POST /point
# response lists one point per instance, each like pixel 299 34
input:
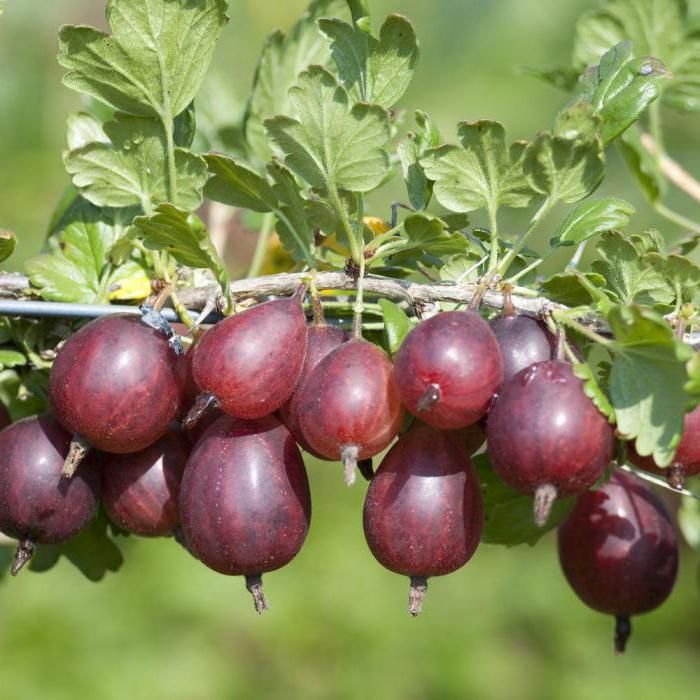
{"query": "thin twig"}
pixel 673 170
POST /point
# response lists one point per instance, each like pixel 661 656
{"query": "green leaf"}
pixel 410 151
pixel 482 173
pixel 572 288
pixel 7 244
pixel 83 129
pixel 133 168
pixel 593 390
pixel 396 325
pixel 59 279
pixel 463 267
pixel 376 71
pixel 628 275
pixel 507 514
pixel 558 76
pixel 647 381
pixel 324 215
pixel 154 61
pixel 431 235
pixel 293 227
pixel 283 57
pixel 620 88
pixel 185 237
pixel 643 165
pixel 682 274
pixel 659 28
pixel 79 269
pixel 238 185
pixel 329 144
pixel 562 169
pixel 591 218
pixel 91 550
pixel 11 358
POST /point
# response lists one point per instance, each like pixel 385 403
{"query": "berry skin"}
pixel 322 340
pixel 424 514
pixel 38 505
pixel 686 460
pixel 546 437
pixel 115 383
pixel 251 361
pixel 618 551
pixel 522 341
pixel 349 406
pixel 244 500
pixel 141 491
pixel 448 369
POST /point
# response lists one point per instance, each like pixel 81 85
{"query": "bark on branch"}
pixel 416 294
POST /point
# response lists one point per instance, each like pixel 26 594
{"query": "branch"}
pixel 675 172
pixel 417 295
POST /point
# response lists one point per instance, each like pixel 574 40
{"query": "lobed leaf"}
pixel 330 144
pixel 631 277
pixel 482 173
pixel 647 381
pixel 153 62
pixel 132 169
pixel 374 70
pixel 282 59
pixel 562 169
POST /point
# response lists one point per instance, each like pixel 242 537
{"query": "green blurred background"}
pixel 505 627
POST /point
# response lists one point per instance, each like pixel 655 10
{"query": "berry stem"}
pixel 416 594
pixel 545 495
pixel 204 403
pixel 254 585
pixel 348 455
pixel 319 318
pixel 623 630
pixel 79 447
pixel 676 477
pixel 357 319
pixel 23 554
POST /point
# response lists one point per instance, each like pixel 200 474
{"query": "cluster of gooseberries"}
pixel 232 485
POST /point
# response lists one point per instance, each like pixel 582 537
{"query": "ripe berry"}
pixel 424 513
pixel 546 437
pixel 686 460
pixel 618 551
pixel 448 369
pixel 140 491
pixel 37 505
pixel 115 385
pixel 523 341
pixel 349 407
pixel 322 340
pixel 251 361
pixel 245 501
